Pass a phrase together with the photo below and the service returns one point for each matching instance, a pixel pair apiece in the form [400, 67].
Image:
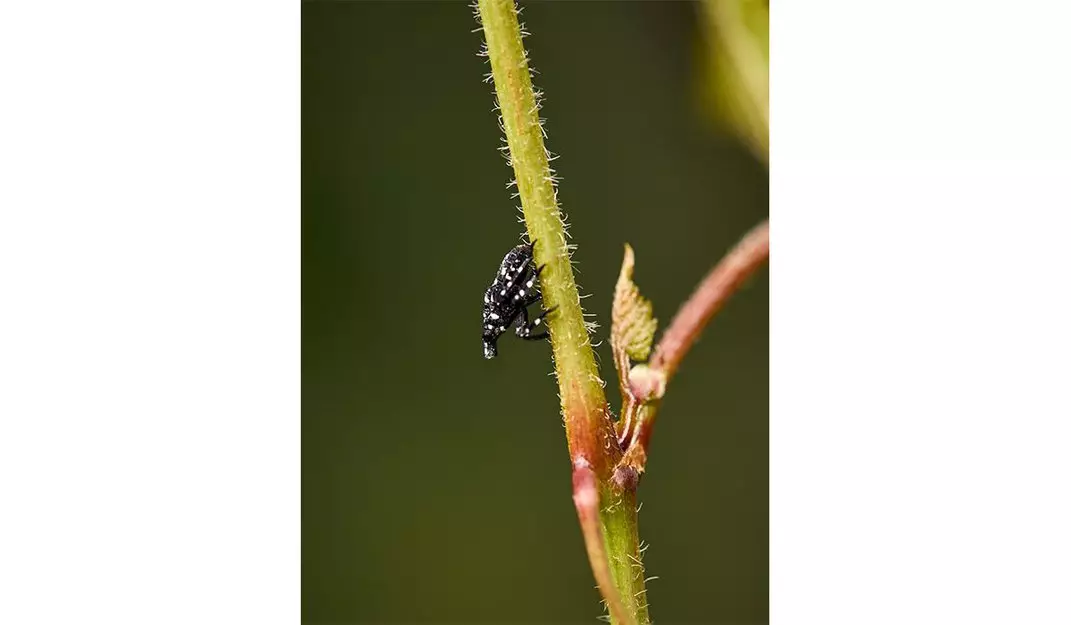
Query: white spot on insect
[503, 292]
[494, 316]
[486, 298]
[522, 292]
[528, 284]
[503, 328]
[538, 321]
[503, 271]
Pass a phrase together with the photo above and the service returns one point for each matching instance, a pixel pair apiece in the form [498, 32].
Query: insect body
[514, 289]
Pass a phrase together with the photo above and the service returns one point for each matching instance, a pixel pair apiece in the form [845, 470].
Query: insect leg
[527, 329]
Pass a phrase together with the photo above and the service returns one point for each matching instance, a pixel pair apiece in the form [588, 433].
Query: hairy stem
[586, 498]
[593, 445]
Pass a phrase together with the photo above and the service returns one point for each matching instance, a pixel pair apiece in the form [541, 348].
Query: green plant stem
[613, 546]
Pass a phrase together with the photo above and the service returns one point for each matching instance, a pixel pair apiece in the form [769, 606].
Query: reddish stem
[586, 499]
[647, 383]
[722, 281]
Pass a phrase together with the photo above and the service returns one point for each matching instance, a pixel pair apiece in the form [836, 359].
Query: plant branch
[647, 382]
[586, 499]
[722, 281]
[593, 445]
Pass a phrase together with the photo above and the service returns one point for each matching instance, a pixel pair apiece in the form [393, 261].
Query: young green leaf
[634, 324]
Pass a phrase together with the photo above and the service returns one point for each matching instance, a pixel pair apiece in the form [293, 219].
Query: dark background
[435, 484]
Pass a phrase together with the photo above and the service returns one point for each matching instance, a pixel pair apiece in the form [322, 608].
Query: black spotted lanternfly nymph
[514, 289]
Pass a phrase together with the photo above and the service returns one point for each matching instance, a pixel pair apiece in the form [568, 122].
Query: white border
[149, 312]
[920, 313]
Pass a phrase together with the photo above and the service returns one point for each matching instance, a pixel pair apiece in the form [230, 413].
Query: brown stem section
[586, 499]
[722, 281]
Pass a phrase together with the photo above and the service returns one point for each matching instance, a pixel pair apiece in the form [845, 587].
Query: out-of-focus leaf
[737, 81]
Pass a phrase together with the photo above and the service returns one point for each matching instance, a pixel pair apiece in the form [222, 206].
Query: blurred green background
[435, 484]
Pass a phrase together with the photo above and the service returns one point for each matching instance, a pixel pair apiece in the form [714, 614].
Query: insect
[514, 289]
